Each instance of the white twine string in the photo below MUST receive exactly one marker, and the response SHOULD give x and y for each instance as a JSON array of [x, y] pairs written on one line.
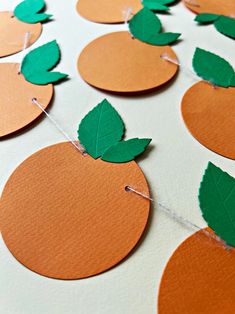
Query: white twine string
[[25, 46], [183, 221], [167, 58], [187, 71], [126, 14], [78, 146], [187, 223]]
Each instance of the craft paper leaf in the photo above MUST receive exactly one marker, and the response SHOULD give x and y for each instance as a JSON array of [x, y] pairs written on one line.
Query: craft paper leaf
[[217, 202], [232, 84], [145, 25], [165, 39], [226, 26], [44, 57], [101, 128], [206, 18], [157, 5], [126, 150], [28, 11], [37, 64], [212, 68], [45, 78], [154, 5]]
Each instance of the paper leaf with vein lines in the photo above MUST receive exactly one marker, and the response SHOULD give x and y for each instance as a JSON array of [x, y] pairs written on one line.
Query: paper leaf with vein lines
[[217, 202]]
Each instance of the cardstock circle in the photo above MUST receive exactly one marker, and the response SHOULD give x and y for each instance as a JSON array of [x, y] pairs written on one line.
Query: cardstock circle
[[16, 108], [209, 114], [12, 35], [198, 278], [67, 216], [220, 7], [116, 62], [106, 11]]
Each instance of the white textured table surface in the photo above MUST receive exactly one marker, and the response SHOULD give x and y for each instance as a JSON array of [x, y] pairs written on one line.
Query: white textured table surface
[[173, 168]]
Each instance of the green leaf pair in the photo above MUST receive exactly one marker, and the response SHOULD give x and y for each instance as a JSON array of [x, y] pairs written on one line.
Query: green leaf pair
[[101, 133], [28, 11], [157, 5], [213, 68], [146, 26], [37, 64], [224, 24], [217, 202]]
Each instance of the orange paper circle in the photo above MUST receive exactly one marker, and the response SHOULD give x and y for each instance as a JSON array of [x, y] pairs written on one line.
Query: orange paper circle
[[67, 216], [209, 114], [107, 11], [199, 278], [220, 7], [12, 35], [116, 62], [16, 108]]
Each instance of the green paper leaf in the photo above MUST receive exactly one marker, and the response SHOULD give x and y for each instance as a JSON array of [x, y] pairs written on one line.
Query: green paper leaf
[[217, 202], [46, 77], [206, 18], [154, 5], [162, 2], [37, 64], [145, 25], [126, 150], [165, 39], [28, 11], [226, 26], [101, 128], [212, 68], [232, 84]]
